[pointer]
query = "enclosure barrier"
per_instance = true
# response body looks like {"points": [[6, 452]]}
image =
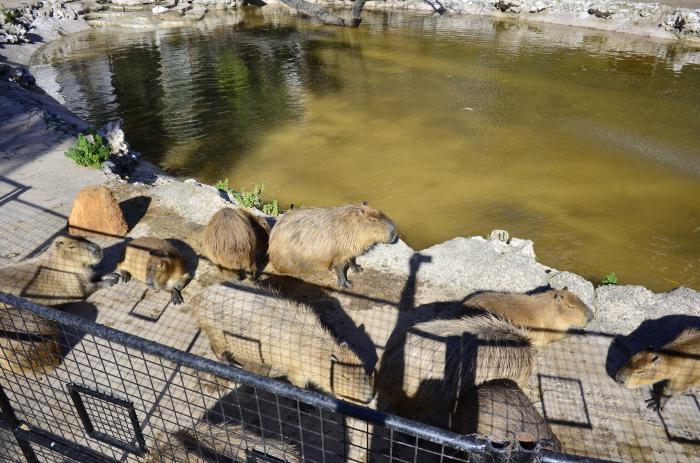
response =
{"points": [[113, 396]]}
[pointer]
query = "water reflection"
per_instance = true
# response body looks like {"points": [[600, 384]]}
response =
{"points": [[586, 142]]}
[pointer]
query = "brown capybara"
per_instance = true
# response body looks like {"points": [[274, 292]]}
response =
{"points": [[62, 274], [157, 263], [500, 410], [28, 343], [260, 330], [232, 238], [676, 365], [208, 443], [547, 315], [312, 240], [430, 365]]}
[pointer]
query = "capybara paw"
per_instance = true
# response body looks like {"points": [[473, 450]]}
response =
{"points": [[125, 277], [345, 283], [356, 268], [176, 298]]}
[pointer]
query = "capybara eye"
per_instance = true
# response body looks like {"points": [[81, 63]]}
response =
{"points": [[641, 371]]}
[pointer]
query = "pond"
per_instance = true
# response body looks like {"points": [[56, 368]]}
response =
{"points": [[587, 143]]}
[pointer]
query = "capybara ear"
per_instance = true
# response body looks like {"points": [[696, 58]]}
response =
{"points": [[557, 296], [565, 288], [58, 243], [365, 203]]}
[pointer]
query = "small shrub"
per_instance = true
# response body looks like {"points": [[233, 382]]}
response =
{"points": [[10, 14], [609, 279], [89, 153], [249, 198], [272, 208]]}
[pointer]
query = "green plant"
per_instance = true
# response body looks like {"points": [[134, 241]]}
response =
{"points": [[10, 13], [272, 208], [609, 279], [89, 153], [249, 198]]}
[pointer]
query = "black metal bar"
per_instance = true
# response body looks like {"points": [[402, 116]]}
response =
{"points": [[13, 422], [60, 445]]}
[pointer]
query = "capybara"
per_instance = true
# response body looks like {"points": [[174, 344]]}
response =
{"points": [[256, 328], [430, 365], [547, 315], [208, 443], [232, 238], [62, 274], [312, 240], [28, 342], [500, 410], [157, 263], [676, 367]]}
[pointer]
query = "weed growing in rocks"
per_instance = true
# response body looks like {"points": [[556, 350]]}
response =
{"points": [[250, 198], [10, 14], [609, 279], [90, 151]]}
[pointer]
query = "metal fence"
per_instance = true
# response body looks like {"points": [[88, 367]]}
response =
{"points": [[106, 395]]}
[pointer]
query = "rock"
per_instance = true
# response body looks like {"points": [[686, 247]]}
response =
{"points": [[96, 212], [391, 258], [599, 14], [620, 309], [507, 7], [132, 2], [537, 7], [195, 201], [576, 284], [159, 9]]}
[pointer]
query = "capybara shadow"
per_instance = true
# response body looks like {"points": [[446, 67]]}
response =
{"points": [[110, 257], [134, 209], [319, 435], [330, 313], [652, 334], [191, 257]]}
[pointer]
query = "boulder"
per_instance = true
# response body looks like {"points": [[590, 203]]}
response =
{"points": [[96, 212]]}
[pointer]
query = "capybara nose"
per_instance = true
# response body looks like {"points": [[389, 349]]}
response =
{"points": [[619, 379]]}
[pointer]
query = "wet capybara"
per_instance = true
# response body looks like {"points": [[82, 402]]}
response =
{"points": [[261, 331], [547, 315], [157, 263], [500, 410], [430, 365], [232, 239], [312, 240], [676, 367]]}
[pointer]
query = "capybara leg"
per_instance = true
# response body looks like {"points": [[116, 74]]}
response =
{"points": [[241, 275], [341, 270], [175, 297], [657, 401], [124, 275], [355, 266]]}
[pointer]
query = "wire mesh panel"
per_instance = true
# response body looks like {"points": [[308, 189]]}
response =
{"points": [[79, 391], [117, 397]]}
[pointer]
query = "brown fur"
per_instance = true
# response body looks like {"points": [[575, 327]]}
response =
{"points": [[677, 363], [478, 348], [547, 315], [232, 237], [257, 328], [28, 343], [499, 410], [157, 263], [62, 274], [207, 443], [312, 240]]}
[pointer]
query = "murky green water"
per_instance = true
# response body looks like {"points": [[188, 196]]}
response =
{"points": [[587, 143]]}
